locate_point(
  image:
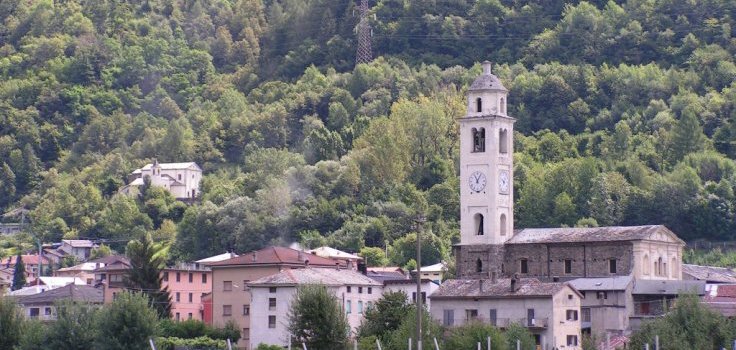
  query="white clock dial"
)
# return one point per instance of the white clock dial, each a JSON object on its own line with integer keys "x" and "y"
{"x": 503, "y": 181}
{"x": 477, "y": 181}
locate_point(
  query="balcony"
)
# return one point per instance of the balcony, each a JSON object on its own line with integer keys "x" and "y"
{"x": 535, "y": 323}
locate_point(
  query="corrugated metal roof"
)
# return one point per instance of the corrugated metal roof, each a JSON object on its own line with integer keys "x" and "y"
{"x": 590, "y": 234}
{"x": 485, "y": 288}
{"x": 83, "y": 293}
{"x": 710, "y": 273}
{"x": 309, "y": 275}
{"x": 667, "y": 287}
{"x": 607, "y": 283}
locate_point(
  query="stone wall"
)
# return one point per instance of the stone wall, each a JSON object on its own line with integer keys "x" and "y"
{"x": 587, "y": 260}
{"x": 491, "y": 257}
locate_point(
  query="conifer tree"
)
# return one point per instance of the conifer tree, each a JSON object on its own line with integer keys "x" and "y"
{"x": 19, "y": 274}
{"x": 146, "y": 261}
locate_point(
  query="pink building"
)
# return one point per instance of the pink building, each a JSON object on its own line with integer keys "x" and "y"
{"x": 187, "y": 284}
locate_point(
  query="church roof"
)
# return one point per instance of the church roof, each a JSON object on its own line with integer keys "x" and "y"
{"x": 592, "y": 234}
{"x": 501, "y": 288}
{"x": 487, "y": 81}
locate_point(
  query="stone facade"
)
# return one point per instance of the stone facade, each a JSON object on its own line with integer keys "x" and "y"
{"x": 581, "y": 260}
{"x": 491, "y": 257}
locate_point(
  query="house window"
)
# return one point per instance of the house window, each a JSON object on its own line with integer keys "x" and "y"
{"x": 478, "y": 105}
{"x": 471, "y": 314}
{"x": 245, "y": 285}
{"x": 191, "y": 297}
{"x": 271, "y": 321}
{"x": 191, "y": 277}
{"x": 568, "y": 266}
{"x": 478, "y": 224}
{"x": 178, "y": 177}
{"x": 602, "y": 295}
{"x": 523, "y": 266}
{"x": 360, "y": 308}
{"x": 414, "y": 297}
{"x": 448, "y": 317}
{"x": 47, "y": 311}
{"x": 189, "y": 316}
{"x": 478, "y": 265}
{"x": 227, "y": 310}
{"x": 227, "y": 286}
{"x": 572, "y": 315}
{"x": 178, "y": 277}
{"x": 492, "y": 317}
{"x": 503, "y": 141}
{"x": 348, "y": 307}
{"x": 246, "y": 333}
{"x": 360, "y": 290}
{"x": 166, "y": 276}
{"x": 204, "y": 278}
{"x": 272, "y": 289}
{"x": 572, "y": 340}
{"x": 272, "y": 303}
{"x": 178, "y": 297}
{"x": 585, "y": 314}
{"x": 246, "y": 310}
{"x": 34, "y": 312}
{"x": 479, "y": 139}
{"x": 612, "y": 265}
{"x": 177, "y": 316}
{"x": 348, "y": 289}
{"x": 370, "y": 290}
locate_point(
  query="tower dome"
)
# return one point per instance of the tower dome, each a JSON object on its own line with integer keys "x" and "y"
{"x": 487, "y": 81}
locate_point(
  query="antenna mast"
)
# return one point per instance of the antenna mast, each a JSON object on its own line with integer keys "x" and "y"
{"x": 365, "y": 52}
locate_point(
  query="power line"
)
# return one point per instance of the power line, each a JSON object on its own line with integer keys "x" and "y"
{"x": 364, "y": 53}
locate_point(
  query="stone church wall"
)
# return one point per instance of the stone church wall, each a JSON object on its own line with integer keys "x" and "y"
{"x": 587, "y": 260}
{"x": 491, "y": 257}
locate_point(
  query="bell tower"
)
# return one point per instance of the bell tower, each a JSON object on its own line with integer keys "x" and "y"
{"x": 486, "y": 177}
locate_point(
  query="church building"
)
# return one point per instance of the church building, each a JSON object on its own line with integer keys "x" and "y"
{"x": 497, "y": 263}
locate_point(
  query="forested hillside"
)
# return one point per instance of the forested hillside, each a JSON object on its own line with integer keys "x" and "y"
{"x": 626, "y": 115}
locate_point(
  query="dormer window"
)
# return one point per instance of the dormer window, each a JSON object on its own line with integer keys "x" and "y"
{"x": 479, "y": 140}
{"x": 478, "y": 105}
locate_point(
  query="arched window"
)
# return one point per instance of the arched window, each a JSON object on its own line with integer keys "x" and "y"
{"x": 478, "y": 224}
{"x": 503, "y": 106}
{"x": 659, "y": 266}
{"x": 478, "y": 105}
{"x": 478, "y": 266}
{"x": 479, "y": 140}
{"x": 503, "y": 225}
{"x": 503, "y": 141}
{"x": 645, "y": 264}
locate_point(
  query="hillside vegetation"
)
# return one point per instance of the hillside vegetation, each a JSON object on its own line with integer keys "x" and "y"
{"x": 626, "y": 115}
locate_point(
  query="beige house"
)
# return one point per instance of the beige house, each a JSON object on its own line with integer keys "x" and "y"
{"x": 181, "y": 179}
{"x": 607, "y": 304}
{"x": 272, "y": 296}
{"x": 231, "y": 297}
{"x": 42, "y": 306}
{"x": 550, "y": 311}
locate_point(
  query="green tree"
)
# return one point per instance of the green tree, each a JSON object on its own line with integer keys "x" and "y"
{"x": 126, "y": 324}
{"x": 19, "y": 273}
{"x": 317, "y": 320}
{"x": 373, "y": 256}
{"x": 74, "y": 328}
{"x": 11, "y": 323}
{"x": 687, "y": 137}
{"x": 469, "y": 335}
{"x": 407, "y": 329}
{"x": 385, "y": 316}
{"x": 146, "y": 261}
{"x": 516, "y": 332}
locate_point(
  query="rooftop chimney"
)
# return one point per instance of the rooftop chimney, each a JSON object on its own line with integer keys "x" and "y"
{"x": 515, "y": 283}
{"x": 480, "y": 286}
{"x": 486, "y": 68}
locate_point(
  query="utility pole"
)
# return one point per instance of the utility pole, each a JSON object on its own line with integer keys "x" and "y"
{"x": 419, "y": 227}
{"x": 364, "y": 53}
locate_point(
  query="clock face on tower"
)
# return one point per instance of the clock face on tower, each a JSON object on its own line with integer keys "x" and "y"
{"x": 503, "y": 181}
{"x": 477, "y": 181}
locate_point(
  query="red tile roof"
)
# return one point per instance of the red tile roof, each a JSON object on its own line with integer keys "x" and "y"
{"x": 275, "y": 256}
{"x": 27, "y": 259}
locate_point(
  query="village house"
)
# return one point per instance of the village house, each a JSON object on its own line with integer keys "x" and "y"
{"x": 271, "y": 298}
{"x": 606, "y": 305}
{"x": 435, "y": 272}
{"x": 409, "y": 287}
{"x": 180, "y": 179}
{"x": 79, "y": 248}
{"x": 30, "y": 261}
{"x": 231, "y": 296}
{"x": 42, "y": 306}
{"x": 84, "y": 271}
{"x": 111, "y": 276}
{"x": 550, "y": 311}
